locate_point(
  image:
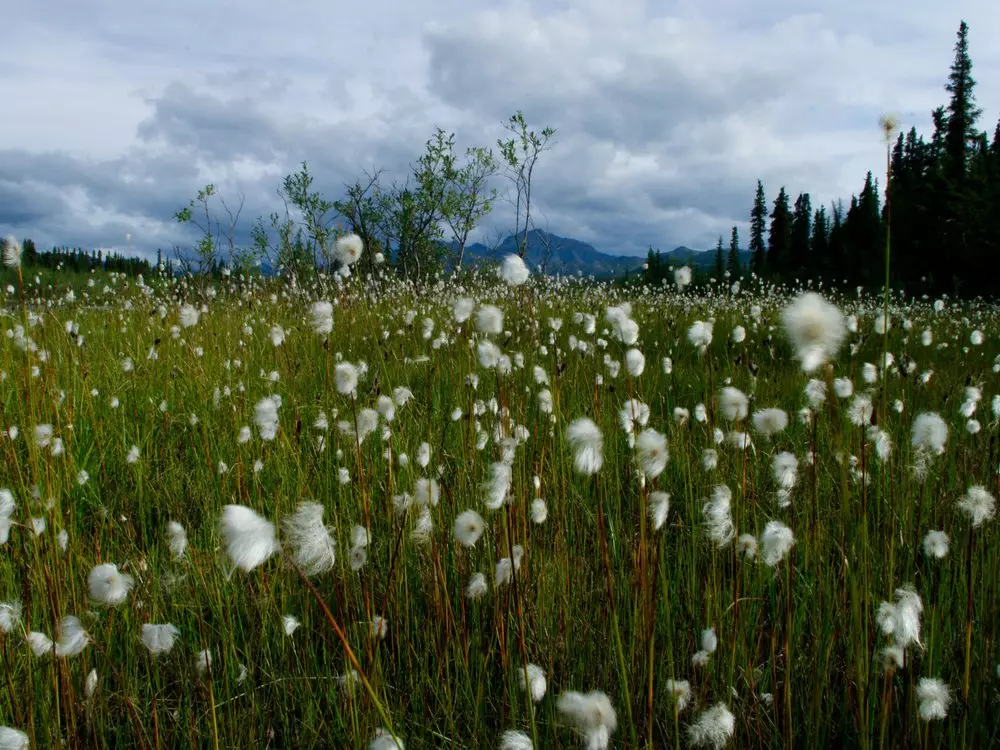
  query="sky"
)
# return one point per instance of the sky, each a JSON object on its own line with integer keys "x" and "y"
{"x": 115, "y": 112}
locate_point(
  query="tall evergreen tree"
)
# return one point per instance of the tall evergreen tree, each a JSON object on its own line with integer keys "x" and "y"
{"x": 819, "y": 243}
{"x": 779, "y": 238}
{"x": 960, "y": 132}
{"x": 758, "y": 217}
{"x": 801, "y": 231}
{"x": 733, "y": 261}
{"x": 720, "y": 262}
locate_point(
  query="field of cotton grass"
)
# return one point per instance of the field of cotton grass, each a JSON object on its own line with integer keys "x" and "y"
{"x": 504, "y": 511}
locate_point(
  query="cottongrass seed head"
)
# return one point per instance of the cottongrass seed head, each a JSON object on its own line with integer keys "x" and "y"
{"x": 713, "y": 727}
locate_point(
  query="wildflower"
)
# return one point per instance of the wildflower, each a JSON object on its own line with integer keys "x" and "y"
{"x": 978, "y": 504}
{"x": 313, "y": 548}
{"x": 860, "y": 411}
{"x": 176, "y": 539}
{"x": 250, "y": 539}
{"x": 776, "y": 541}
{"x": 816, "y": 392}
{"x": 266, "y": 417}
{"x": 346, "y": 377}
{"x": 739, "y": 335}
{"x": 347, "y": 249}
{"x": 290, "y": 623}
{"x": 632, "y": 415}
{"x": 506, "y": 567}
{"x": 89, "y": 686}
{"x": 469, "y": 526}
{"x": 159, "y": 639}
{"x": 718, "y": 516}
{"x": 635, "y": 362}
{"x": 107, "y": 585}
{"x": 733, "y": 403}
{"x": 476, "y": 587}
{"x": 709, "y": 459}
{"x": 901, "y": 620}
{"x": 591, "y": 714}
{"x": 11, "y": 251}
{"x": 10, "y": 616}
{"x": 321, "y": 317}
{"x": 462, "y": 309}
{"x": 700, "y": 335}
{"x": 426, "y": 492}
{"x": 189, "y": 316}
{"x": 680, "y": 692}
{"x": 713, "y": 728}
{"x": 39, "y": 643}
{"x": 385, "y": 740}
{"x": 934, "y": 698}
{"x": 770, "y": 422}
{"x": 816, "y": 329}
{"x": 746, "y": 546}
{"x": 513, "y": 270}
{"x": 534, "y": 680}
{"x": 489, "y": 320}
{"x": 651, "y": 453}
{"x": 73, "y": 639}
{"x": 682, "y": 277}
{"x": 203, "y": 661}
{"x": 515, "y": 740}
{"x": 936, "y": 544}
{"x": 6, "y": 512}
{"x": 929, "y": 433}
{"x": 587, "y": 443}
{"x": 659, "y": 506}
{"x": 13, "y": 739}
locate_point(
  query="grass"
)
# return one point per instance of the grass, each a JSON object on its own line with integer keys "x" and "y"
{"x": 602, "y": 601}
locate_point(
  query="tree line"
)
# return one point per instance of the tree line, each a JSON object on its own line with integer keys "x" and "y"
{"x": 79, "y": 260}
{"x": 940, "y": 213}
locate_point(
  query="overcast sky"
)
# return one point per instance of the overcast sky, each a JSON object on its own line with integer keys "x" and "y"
{"x": 115, "y": 112}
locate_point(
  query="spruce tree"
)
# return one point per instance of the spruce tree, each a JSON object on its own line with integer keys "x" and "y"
{"x": 960, "y": 132}
{"x": 733, "y": 262}
{"x": 720, "y": 263}
{"x": 758, "y": 216}
{"x": 801, "y": 231}
{"x": 819, "y": 243}
{"x": 779, "y": 237}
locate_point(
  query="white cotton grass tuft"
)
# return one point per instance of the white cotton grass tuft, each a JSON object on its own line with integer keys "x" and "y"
{"x": 266, "y": 418}
{"x": 176, "y": 540}
{"x": 635, "y": 362}
{"x": 347, "y": 249}
{"x": 321, "y": 318}
{"x": 469, "y": 526}
{"x": 73, "y": 639}
{"x": 497, "y": 487}
{"x": 507, "y": 566}
{"x": 713, "y": 728}
{"x": 13, "y": 739}
{"x": 477, "y": 586}
{"x": 587, "y": 442}
{"x": 718, "y": 516}
{"x": 929, "y": 433}
{"x": 816, "y": 329}
{"x": 346, "y": 377}
{"x": 539, "y": 511}
{"x": 591, "y": 714}
{"x": 978, "y": 505}
{"x": 682, "y": 277}
{"x": 513, "y": 739}
{"x": 159, "y": 638}
{"x": 769, "y": 422}
{"x": 651, "y": 453}
{"x": 385, "y": 740}
{"x": 250, "y": 539}
{"x": 733, "y": 403}
{"x": 513, "y": 270}
{"x": 107, "y": 585}
{"x": 680, "y": 693}
{"x": 936, "y": 544}
{"x": 700, "y": 335}
{"x": 659, "y": 506}
{"x": 901, "y": 620}
{"x": 489, "y": 320}
{"x": 7, "y": 506}
{"x": 933, "y": 697}
{"x": 289, "y": 624}
{"x": 11, "y": 251}
{"x": 11, "y": 613}
{"x": 313, "y": 547}
{"x": 532, "y": 678}
{"x": 39, "y": 643}
{"x": 775, "y": 542}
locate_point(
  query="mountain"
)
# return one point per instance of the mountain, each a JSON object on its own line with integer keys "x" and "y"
{"x": 562, "y": 255}
{"x": 569, "y": 257}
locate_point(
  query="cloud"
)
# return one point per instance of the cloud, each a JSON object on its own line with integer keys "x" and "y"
{"x": 666, "y": 113}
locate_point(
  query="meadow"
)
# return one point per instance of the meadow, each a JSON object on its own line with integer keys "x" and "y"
{"x": 495, "y": 511}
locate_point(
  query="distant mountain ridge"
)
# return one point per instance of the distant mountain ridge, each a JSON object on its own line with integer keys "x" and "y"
{"x": 569, "y": 257}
